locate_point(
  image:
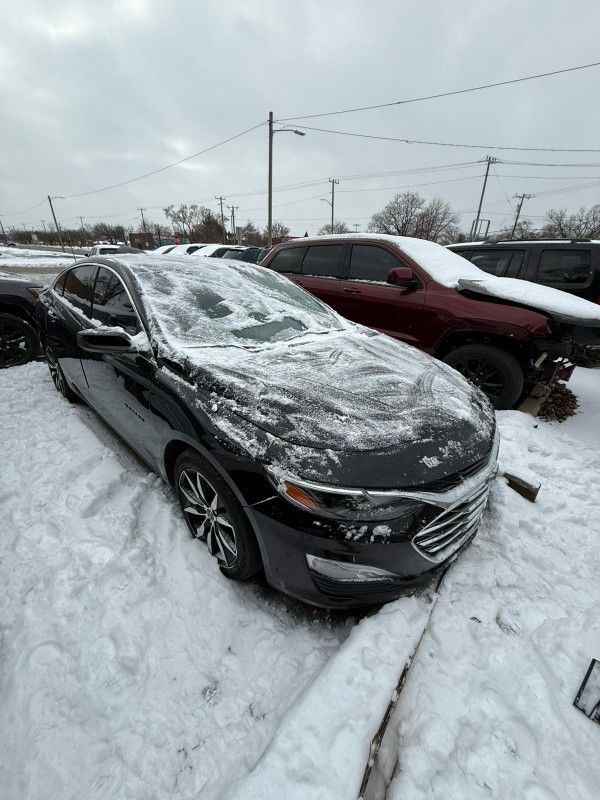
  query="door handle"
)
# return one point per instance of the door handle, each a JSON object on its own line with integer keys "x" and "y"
{"x": 350, "y": 290}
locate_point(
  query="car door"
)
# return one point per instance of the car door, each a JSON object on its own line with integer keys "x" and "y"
{"x": 372, "y": 301}
{"x": 321, "y": 273}
{"x": 119, "y": 384}
{"x": 67, "y": 314}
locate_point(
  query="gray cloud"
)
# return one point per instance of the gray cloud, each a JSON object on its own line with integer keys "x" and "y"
{"x": 93, "y": 93}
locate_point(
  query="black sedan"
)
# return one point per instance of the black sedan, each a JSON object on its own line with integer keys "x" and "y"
{"x": 345, "y": 464}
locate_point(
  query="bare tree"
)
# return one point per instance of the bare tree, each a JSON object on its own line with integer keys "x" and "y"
{"x": 524, "y": 231}
{"x": 408, "y": 214}
{"x": 279, "y": 230}
{"x": 110, "y": 233}
{"x": 584, "y": 224}
{"x": 184, "y": 218}
{"x": 338, "y": 227}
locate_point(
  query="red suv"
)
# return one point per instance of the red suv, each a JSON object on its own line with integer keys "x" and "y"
{"x": 417, "y": 291}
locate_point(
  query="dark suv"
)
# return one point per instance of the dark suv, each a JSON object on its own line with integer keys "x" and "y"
{"x": 570, "y": 265}
{"x": 422, "y": 293}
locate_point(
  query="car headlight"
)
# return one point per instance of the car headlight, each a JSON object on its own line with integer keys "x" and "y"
{"x": 358, "y": 505}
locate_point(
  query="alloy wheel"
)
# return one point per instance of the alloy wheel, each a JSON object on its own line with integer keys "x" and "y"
{"x": 485, "y": 375}
{"x": 208, "y": 517}
{"x": 15, "y": 345}
{"x": 55, "y": 371}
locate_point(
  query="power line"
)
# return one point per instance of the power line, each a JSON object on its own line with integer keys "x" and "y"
{"x": 450, "y": 144}
{"x": 168, "y": 166}
{"x": 25, "y": 210}
{"x": 444, "y": 94}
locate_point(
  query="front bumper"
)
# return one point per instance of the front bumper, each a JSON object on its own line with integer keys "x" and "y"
{"x": 413, "y": 550}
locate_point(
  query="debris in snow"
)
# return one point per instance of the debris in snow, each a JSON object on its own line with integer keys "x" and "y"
{"x": 588, "y": 696}
{"x": 431, "y": 461}
{"x": 560, "y": 404}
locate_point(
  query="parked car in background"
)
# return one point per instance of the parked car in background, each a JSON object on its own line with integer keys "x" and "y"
{"x": 251, "y": 255}
{"x": 164, "y": 248}
{"x": 504, "y": 335}
{"x": 112, "y": 249}
{"x": 214, "y": 250}
{"x": 572, "y": 265}
{"x": 18, "y": 331}
{"x": 343, "y": 463}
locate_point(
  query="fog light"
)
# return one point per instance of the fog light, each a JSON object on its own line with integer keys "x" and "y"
{"x": 345, "y": 572}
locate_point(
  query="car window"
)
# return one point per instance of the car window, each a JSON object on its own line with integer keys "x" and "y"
{"x": 112, "y": 305}
{"x": 323, "y": 260}
{"x": 193, "y": 249}
{"x": 514, "y": 268}
{"x": 59, "y": 284}
{"x": 565, "y": 267}
{"x": 79, "y": 285}
{"x": 495, "y": 262}
{"x": 288, "y": 260}
{"x": 370, "y": 263}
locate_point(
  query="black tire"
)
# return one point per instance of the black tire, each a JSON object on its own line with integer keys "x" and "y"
{"x": 18, "y": 341}
{"x": 497, "y": 373}
{"x": 222, "y": 523}
{"x": 58, "y": 377}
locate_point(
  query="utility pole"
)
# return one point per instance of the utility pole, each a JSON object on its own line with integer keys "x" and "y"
{"x": 232, "y": 209}
{"x": 489, "y": 161}
{"x": 221, "y": 201}
{"x": 141, "y": 210}
{"x": 356, "y": 227}
{"x": 333, "y": 182}
{"x": 82, "y": 231}
{"x": 60, "y": 239}
{"x": 270, "y": 189}
{"x": 4, "y": 236}
{"x": 522, "y": 197}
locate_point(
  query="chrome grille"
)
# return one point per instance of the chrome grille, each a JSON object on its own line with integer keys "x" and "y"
{"x": 457, "y": 523}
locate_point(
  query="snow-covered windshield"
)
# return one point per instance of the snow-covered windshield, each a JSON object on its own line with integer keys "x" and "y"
{"x": 202, "y": 302}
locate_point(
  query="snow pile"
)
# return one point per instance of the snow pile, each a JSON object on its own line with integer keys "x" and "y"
{"x": 36, "y": 265}
{"x": 487, "y": 709}
{"x": 322, "y": 746}
{"x": 131, "y": 667}
{"x": 456, "y": 272}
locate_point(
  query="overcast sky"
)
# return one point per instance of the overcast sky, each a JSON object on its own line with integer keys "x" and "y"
{"x": 93, "y": 93}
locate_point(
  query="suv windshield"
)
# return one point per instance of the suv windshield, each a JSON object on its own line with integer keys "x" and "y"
{"x": 201, "y": 305}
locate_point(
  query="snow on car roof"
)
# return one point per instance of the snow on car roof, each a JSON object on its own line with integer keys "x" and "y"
{"x": 455, "y": 272}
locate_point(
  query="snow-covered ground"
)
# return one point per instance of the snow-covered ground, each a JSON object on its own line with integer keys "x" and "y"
{"x": 37, "y": 265}
{"x": 131, "y": 668}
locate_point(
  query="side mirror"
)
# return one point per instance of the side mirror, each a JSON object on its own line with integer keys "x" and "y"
{"x": 109, "y": 340}
{"x": 404, "y": 277}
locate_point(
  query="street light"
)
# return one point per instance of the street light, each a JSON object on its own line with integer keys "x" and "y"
{"x": 272, "y": 132}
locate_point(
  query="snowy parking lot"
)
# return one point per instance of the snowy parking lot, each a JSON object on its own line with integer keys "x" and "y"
{"x": 132, "y": 668}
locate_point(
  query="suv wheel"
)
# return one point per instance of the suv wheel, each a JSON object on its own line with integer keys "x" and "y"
{"x": 214, "y": 515}
{"x": 18, "y": 341}
{"x": 497, "y": 373}
{"x": 58, "y": 377}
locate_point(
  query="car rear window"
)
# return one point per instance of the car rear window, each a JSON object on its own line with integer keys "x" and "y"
{"x": 288, "y": 260}
{"x": 371, "y": 263}
{"x": 560, "y": 267}
{"x": 323, "y": 260}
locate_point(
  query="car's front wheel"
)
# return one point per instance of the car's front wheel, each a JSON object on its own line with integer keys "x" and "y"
{"x": 18, "y": 341}
{"x": 214, "y": 515}
{"x": 497, "y": 373}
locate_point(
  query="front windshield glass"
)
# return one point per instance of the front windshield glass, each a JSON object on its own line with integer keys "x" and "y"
{"x": 209, "y": 303}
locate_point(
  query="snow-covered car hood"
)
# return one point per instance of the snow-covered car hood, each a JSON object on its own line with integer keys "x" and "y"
{"x": 326, "y": 399}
